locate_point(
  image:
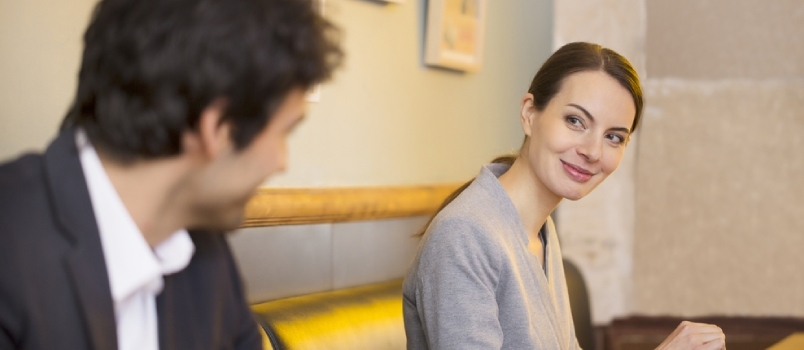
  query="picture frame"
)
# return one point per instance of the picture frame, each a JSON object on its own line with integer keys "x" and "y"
{"x": 455, "y": 34}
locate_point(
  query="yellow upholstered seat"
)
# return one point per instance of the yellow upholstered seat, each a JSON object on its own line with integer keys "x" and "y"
{"x": 368, "y": 317}
{"x": 266, "y": 343}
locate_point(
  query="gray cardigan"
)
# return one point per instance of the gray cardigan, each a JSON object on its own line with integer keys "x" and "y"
{"x": 475, "y": 285}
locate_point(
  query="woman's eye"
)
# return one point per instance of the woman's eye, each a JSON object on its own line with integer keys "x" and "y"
{"x": 574, "y": 121}
{"x": 616, "y": 138}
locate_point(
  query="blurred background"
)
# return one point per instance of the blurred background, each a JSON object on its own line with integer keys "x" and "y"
{"x": 704, "y": 217}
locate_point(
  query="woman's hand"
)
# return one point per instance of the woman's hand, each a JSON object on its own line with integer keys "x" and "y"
{"x": 698, "y": 336}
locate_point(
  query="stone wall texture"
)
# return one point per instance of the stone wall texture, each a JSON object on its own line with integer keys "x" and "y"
{"x": 724, "y": 39}
{"x": 719, "y": 200}
{"x": 720, "y": 204}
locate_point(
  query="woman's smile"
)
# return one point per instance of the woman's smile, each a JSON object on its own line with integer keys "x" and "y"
{"x": 577, "y": 173}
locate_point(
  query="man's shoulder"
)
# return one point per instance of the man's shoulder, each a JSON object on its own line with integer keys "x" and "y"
{"x": 24, "y": 192}
{"x": 18, "y": 175}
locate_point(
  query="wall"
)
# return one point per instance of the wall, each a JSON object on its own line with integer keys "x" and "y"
{"x": 40, "y": 42}
{"x": 387, "y": 120}
{"x": 719, "y": 200}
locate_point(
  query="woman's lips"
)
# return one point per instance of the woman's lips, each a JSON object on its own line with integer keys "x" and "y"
{"x": 576, "y": 173}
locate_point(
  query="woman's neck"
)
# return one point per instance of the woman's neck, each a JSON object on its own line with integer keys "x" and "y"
{"x": 532, "y": 200}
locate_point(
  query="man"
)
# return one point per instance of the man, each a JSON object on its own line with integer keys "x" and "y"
{"x": 109, "y": 240}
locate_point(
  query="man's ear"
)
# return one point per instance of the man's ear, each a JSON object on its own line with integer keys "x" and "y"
{"x": 214, "y": 134}
{"x": 527, "y": 114}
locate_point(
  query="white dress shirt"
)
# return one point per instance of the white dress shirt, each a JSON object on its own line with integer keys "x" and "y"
{"x": 135, "y": 269}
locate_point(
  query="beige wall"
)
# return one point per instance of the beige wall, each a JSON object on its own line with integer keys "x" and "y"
{"x": 720, "y": 207}
{"x": 387, "y": 119}
{"x": 724, "y": 39}
{"x": 40, "y": 46}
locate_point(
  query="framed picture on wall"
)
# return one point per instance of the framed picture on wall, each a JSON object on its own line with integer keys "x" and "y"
{"x": 455, "y": 31}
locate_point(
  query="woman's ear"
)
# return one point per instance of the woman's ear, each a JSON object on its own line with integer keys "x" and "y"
{"x": 527, "y": 113}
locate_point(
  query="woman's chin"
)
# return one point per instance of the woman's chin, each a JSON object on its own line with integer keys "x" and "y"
{"x": 573, "y": 194}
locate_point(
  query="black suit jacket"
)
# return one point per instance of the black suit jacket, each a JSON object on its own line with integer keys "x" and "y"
{"x": 54, "y": 288}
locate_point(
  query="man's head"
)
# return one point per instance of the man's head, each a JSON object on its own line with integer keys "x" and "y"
{"x": 212, "y": 85}
{"x": 151, "y": 67}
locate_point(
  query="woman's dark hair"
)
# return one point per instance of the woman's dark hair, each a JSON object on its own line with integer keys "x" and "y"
{"x": 569, "y": 59}
{"x": 150, "y": 67}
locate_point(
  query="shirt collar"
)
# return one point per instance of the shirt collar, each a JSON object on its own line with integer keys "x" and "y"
{"x": 130, "y": 262}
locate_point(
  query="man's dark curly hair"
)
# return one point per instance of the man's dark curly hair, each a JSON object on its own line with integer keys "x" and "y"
{"x": 150, "y": 67}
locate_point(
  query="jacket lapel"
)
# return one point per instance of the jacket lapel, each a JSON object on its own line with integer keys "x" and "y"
{"x": 85, "y": 263}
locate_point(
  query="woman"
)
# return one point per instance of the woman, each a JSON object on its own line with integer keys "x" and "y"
{"x": 489, "y": 272}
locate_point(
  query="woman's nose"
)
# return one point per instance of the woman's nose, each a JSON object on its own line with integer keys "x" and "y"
{"x": 591, "y": 149}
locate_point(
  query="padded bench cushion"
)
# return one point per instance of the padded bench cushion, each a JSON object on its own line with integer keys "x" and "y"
{"x": 368, "y": 317}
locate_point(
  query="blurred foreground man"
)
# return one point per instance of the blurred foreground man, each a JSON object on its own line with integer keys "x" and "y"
{"x": 111, "y": 238}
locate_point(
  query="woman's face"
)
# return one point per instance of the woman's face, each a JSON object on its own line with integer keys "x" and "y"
{"x": 580, "y": 137}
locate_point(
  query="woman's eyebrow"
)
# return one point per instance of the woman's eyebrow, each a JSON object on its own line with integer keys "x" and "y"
{"x": 589, "y": 115}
